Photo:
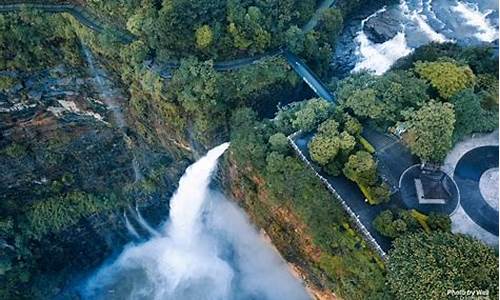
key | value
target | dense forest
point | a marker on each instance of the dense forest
(461, 106)
(439, 95)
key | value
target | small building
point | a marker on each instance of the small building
(430, 185)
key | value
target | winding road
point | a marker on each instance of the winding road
(79, 13)
(89, 20)
(317, 15)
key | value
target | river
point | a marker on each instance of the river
(418, 22)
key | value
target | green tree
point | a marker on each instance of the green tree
(364, 103)
(447, 77)
(347, 142)
(323, 148)
(329, 127)
(279, 142)
(312, 113)
(471, 116)
(352, 125)
(294, 38)
(488, 86)
(440, 222)
(388, 225)
(248, 144)
(135, 53)
(204, 37)
(142, 22)
(331, 23)
(379, 193)
(361, 168)
(430, 131)
(328, 142)
(426, 266)
(384, 98)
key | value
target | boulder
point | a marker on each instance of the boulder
(382, 27)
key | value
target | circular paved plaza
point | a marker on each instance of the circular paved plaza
(471, 186)
(410, 197)
(488, 186)
(481, 204)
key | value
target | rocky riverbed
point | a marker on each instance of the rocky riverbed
(376, 37)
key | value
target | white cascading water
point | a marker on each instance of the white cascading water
(486, 31)
(105, 89)
(207, 250)
(438, 21)
(144, 224)
(109, 96)
(129, 227)
(137, 172)
(379, 57)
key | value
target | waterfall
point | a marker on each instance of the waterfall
(137, 172)
(144, 224)
(105, 89)
(186, 204)
(109, 96)
(207, 250)
(130, 228)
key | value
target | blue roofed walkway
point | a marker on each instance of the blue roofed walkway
(308, 76)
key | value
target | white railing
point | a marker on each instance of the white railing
(359, 225)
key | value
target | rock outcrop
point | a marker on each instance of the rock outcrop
(382, 27)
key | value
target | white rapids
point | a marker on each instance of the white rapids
(426, 21)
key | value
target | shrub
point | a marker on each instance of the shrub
(279, 142)
(439, 222)
(14, 150)
(57, 213)
(426, 266)
(366, 145)
(388, 225)
(421, 219)
(447, 77)
(6, 83)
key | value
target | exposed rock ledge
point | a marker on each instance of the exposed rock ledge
(382, 27)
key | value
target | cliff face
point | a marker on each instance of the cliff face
(55, 133)
(58, 138)
(285, 229)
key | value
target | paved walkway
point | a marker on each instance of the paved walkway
(81, 14)
(461, 221)
(352, 195)
(393, 157)
(317, 15)
(467, 174)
